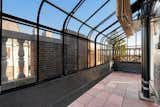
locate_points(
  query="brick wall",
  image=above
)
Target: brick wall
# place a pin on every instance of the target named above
(70, 58)
(50, 54)
(50, 58)
(83, 54)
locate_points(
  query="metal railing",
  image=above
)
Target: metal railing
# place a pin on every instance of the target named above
(130, 54)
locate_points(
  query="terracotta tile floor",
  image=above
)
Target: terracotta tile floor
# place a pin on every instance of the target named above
(116, 90)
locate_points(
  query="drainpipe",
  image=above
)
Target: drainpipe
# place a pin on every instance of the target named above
(145, 21)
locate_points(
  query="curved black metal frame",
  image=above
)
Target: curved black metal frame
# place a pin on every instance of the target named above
(95, 41)
(0, 41)
(117, 36)
(65, 24)
(108, 36)
(91, 16)
(99, 24)
(104, 4)
(67, 19)
(70, 15)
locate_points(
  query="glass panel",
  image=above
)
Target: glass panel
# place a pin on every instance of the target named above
(93, 35)
(18, 55)
(91, 55)
(70, 57)
(26, 9)
(99, 38)
(82, 54)
(117, 34)
(85, 30)
(100, 16)
(98, 55)
(50, 55)
(90, 7)
(73, 25)
(113, 28)
(66, 5)
(52, 17)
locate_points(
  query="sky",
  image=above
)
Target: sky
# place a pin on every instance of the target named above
(51, 17)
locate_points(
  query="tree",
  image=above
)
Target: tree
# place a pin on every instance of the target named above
(119, 48)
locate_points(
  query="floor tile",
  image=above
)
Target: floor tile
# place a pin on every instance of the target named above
(114, 101)
(84, 99)
(116, 90)
(96, 102)
(76, 104)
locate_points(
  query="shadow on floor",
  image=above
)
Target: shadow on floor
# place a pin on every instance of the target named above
(119, 89)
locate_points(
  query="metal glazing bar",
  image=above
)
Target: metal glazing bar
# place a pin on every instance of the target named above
(118, 36)
(65, 24)
(104, 20)
(106, 29)
(72, 12)
(113, 35)
(38, 20)
(93, 15)
(0, 44)
(120, 39)
(95, 41)
(33, 24)
(112, 32)
(127, 50)
(116, 29)
(65, 12)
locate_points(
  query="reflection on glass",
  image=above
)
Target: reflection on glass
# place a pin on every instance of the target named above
(17, 52)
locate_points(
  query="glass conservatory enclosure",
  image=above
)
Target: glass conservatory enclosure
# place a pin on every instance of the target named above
(47, 39)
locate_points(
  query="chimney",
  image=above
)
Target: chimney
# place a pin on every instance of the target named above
(47, 34)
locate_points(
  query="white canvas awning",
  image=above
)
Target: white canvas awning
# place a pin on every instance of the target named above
(124, 15)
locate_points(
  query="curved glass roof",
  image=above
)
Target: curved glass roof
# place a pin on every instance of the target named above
(49, 19)
(93, 19)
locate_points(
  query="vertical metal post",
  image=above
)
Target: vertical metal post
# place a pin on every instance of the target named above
(135, 53)
(87, 51)
(113, 51)
(0, 43)
(105, 51)
(127, 50)
(38, 27)
(102, 58)
(63, 54)
(78, 53)
(100, 53)
(119, 50)
(129, 55)
(88, 54)
(140, 53)
(95, 53)
(145, 48)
